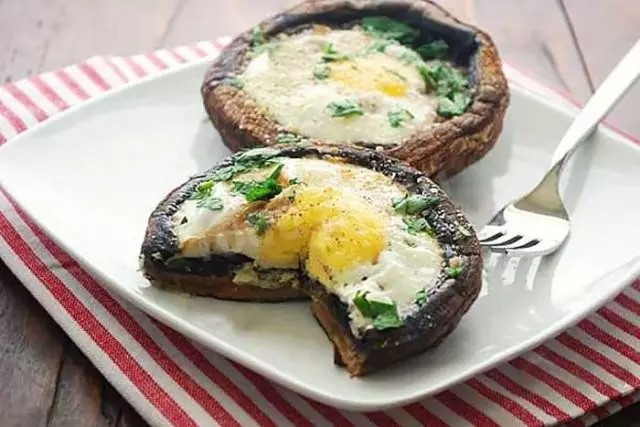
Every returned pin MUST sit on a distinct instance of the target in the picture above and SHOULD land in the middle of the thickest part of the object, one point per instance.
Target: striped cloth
(585, 374)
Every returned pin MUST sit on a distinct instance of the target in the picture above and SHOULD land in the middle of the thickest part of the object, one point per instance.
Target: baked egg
(350, 228)
(342, 85)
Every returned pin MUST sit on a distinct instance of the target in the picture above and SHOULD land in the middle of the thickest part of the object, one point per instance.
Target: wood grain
(45, 379)
(38, 35)
(31, 353)
(78, 397)
(606, 30)
(546, 52)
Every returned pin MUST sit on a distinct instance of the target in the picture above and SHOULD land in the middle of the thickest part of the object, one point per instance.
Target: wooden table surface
(570, 45)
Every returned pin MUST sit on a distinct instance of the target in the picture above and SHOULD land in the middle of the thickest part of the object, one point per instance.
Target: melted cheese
(338, 224)
(282, 81)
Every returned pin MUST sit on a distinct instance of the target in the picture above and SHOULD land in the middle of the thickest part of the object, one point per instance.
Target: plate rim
(220, 346)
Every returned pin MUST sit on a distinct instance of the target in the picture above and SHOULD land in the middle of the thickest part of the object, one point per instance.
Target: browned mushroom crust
(445, 303)
(440, 149)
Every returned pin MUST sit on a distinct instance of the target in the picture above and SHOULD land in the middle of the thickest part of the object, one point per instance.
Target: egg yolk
(334, 232)
(370, 74)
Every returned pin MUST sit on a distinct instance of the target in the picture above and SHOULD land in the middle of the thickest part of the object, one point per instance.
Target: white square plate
(91, 176)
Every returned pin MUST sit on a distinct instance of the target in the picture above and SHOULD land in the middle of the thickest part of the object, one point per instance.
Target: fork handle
(606, 97)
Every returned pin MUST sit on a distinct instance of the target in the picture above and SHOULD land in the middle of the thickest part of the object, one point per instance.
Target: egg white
(281, 80)
(407, 264)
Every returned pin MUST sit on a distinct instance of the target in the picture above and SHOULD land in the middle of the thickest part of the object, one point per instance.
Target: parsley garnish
(409, 58)
(417, 225)
(450, 85)
(236, 82)
(421, 297)
(289, 138)
(361, 303)
(455, 106)
(388, 319)
(260, 190)
(435, 50)
(184, 220)
(213, 203)
(244, 161)
(414, 204)
(330, 54)
(387, 28)
(321, 72)
(259, 222)
(345, 108)
(227, 172)
(398, 117)
(380, 45)
(203, 195)
(203, 190)
(453, 272)
(255, 156)
(257, 37)
(384, 315)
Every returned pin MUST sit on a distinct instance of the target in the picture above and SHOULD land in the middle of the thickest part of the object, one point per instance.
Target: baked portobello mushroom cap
(454, 134)
(370, 327)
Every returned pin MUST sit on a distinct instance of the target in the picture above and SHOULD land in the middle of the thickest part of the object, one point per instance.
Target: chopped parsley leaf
(453, 272)
(259, 222)
(246, 160)
(450, 85)
(227, 172)
(213, 203)
(455, 106)
(321, 72)
(388, 319)
(445, 79)
(260, 190)
(421, 297)
(384, 315)
(417, 225)
(435, 50)
(184, 220)
(398, 117)
(255, 155)
(203, 190)
(257, 37)
(361, 303)
(379, 45)
(409, 58)
(414, 204)
(330, 54)
(345, 108)
(289, 138)
(294, 181)
(387, 28)
(236, 82)
(428, 76)
(203, 195)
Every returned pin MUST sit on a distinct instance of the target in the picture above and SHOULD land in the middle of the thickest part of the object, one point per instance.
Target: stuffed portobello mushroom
(388, 262)
(402, 77)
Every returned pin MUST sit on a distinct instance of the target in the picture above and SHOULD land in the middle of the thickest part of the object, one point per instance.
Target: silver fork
(538, 223)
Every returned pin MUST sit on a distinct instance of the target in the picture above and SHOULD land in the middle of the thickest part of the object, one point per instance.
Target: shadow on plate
(207, 147)
(472, 189)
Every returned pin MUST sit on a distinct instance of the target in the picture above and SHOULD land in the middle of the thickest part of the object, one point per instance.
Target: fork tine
(507, 239)
(514, 246)
(531, 243)
(492, 237)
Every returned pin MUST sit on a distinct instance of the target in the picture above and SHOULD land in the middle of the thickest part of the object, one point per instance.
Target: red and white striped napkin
(583, 375)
